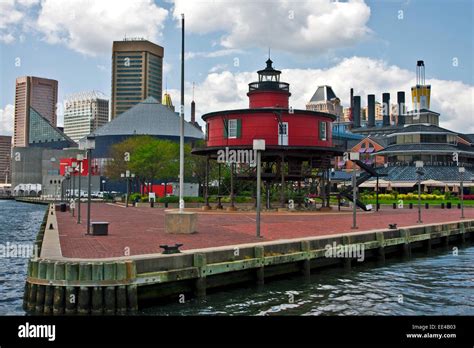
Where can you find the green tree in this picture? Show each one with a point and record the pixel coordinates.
(148, 158)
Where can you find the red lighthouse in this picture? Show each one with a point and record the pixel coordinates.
(301, 139)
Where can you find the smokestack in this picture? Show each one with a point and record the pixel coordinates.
(193, 112)
(371, 110)
(351, 113)
(193, 109)
(386, 109)
(356, 114)
(401, 107)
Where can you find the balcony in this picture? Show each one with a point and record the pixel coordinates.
(269, 86)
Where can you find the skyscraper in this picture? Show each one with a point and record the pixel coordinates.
(84, 112)
(33, 93)
(137, 71)
(5, 156)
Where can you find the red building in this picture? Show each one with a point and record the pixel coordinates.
(301, 139)
(269, 117)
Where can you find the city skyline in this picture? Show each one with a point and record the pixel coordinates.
(375, 53)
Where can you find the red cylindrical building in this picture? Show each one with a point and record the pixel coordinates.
(296, 141)
(269, 117)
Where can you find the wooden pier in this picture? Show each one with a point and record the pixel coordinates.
(119, 285)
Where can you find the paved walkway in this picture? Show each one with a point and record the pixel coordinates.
(141, 230)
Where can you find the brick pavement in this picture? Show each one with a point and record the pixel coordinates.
(141, 230)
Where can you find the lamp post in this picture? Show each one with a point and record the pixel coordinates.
(354, 156)
(462, 170)
(79, 158)
(73, 173)
(90, 145)
(420, 173)
(259, 146)
(128, 177)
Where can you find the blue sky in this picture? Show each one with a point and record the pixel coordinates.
(439, 32)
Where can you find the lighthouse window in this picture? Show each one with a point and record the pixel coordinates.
(323, 134)
(232, 128)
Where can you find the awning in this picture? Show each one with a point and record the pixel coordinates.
(402, 184)
(432, 182)
(373, 183)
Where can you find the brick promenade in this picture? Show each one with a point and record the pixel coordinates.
(142, 229)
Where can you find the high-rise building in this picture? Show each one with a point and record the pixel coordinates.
(84, 113)
(137, 72)
(5, 159)
(325, 100)
(33, 93)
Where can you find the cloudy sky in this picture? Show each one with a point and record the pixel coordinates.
(371, 46)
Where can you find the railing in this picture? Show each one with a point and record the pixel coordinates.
(269, 85)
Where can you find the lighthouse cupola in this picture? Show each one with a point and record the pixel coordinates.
(269, 91)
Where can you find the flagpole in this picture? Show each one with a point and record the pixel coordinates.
(181, 132)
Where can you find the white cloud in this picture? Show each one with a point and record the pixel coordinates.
(212, 54)
(89, 27)
(452, 99)
(217, 68)
(9, 16)
(6, 120)
(306, 26)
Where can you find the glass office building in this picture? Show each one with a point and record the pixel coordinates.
(137, 71)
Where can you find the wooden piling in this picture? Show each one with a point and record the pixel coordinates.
(58, 300)
(306, 264)
(26, 293)
(70, 299)
(109, 300)
(48, 300)
(199, 261)
(121, 302)
(132, 298)
(381, 249)
(259, 253)
(405, 234)
(83, 301)
(97, 302)
(39, 307)
(347, 261)
(32, 298)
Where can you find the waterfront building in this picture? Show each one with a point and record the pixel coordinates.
(325, 100)
(33, 95)
(149, 117)
(84, 113)
(137, 72)
(39, 171)
(296, 141)
(5, 159)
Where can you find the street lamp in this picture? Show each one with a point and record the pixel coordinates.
(73, 173)
(89, 146)
(128, 177)
(79, 158)
(259, 146)
(420, 172)
(354, 156)
(462, 170)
